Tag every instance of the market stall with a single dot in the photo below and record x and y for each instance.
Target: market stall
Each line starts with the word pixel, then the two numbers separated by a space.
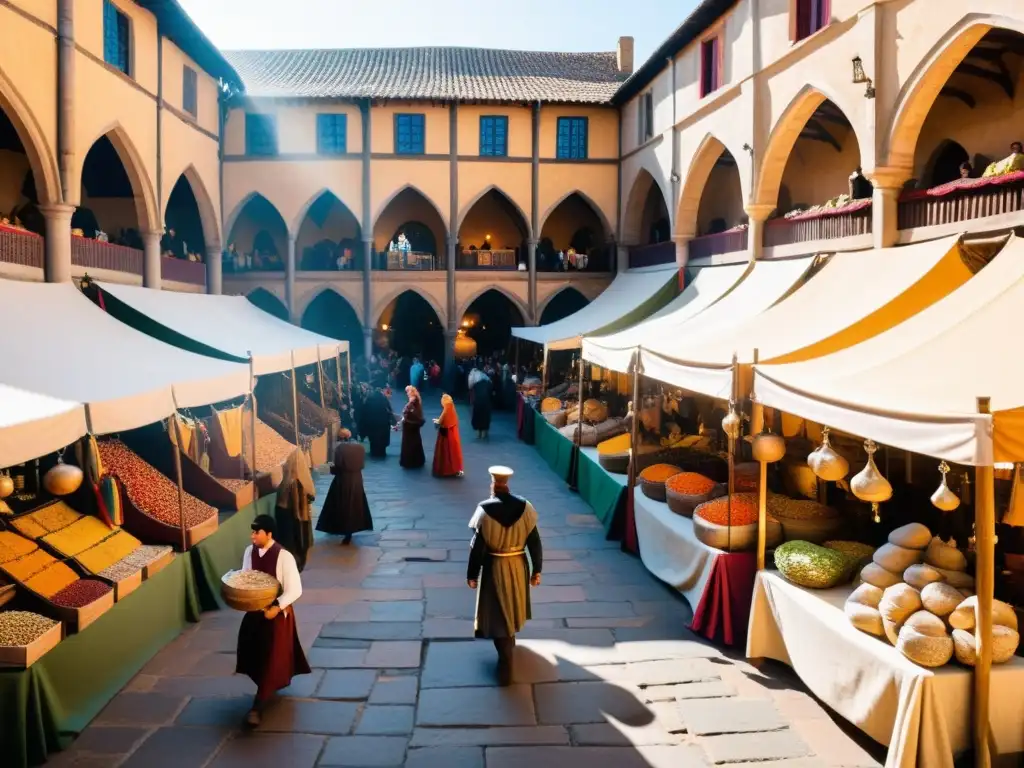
pixel 937 385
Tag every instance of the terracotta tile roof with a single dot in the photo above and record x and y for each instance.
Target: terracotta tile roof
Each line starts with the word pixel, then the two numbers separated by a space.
pixel 471 74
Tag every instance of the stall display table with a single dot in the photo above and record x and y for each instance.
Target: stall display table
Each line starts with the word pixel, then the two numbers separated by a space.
pixel 554 447
pixel 604 491
pixel 717 584
pixel 922 715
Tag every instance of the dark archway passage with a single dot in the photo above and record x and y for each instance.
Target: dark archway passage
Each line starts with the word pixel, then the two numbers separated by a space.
pixel 331 315
pixel 108 199
pixel 184 236
pixel 409 326
pixel 489 320
pixel 562 304
pixel 258 239
pixel 19 203
pixel 268 302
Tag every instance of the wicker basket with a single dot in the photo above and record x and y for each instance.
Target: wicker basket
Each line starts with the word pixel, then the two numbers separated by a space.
pixel 247 599
pixel 652 489
pixel 616 463
pixel 740 538
pixel 684 504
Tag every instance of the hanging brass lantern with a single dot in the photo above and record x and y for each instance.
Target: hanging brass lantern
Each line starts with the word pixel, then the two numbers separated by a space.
pixel 869 484
pixel 943 498
pixel 62 479
pixel 6 485
pixel 768 448
pixel 826 463
pixel 731 424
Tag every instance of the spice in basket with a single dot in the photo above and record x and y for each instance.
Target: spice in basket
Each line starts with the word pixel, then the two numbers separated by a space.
pixel 659 473
pixel 690 484
pixel 120 570
pixel 78 537
pixel 785 508
pixel 147 554
pixel 13 546
pixel 250 580
pixel 617 444
pixel 744 510
pixel 81 593
pixel 24 568
pixel 27 526
pixel 109 551
pixel 55 516
pixel 21 628
pixel 153 493
pixel 271 449
pixel 52 580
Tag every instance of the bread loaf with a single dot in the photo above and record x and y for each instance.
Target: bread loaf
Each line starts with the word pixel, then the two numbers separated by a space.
pixel 911 536
pixel 877 576
pixel 940 598
pixel 864 617
pixel 957 579
pixel 866 594
pixel 895 558
pixel 898 602
pixel 942 555
pixel 964 615
pixel 1004 644
pixel 919 576
pixel 892 630
pixel 927 624
pixel 926 650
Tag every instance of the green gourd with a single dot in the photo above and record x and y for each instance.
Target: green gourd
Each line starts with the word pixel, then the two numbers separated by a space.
pixel 808 565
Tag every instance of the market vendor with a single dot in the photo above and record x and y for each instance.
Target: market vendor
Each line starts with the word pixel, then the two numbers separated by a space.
pixel 269 651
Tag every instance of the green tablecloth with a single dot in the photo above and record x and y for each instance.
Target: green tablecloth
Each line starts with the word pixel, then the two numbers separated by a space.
pixel 45 706
pixel 553 446
pixel 42 708
pixel 604 492
pixel 222 551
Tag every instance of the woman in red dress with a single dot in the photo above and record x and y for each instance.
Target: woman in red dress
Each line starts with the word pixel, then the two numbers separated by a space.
pixel 448 448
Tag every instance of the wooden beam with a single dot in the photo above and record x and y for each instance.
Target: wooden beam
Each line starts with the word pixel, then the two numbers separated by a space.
pixel 816 131
pixel 1001 78
pixel 957 93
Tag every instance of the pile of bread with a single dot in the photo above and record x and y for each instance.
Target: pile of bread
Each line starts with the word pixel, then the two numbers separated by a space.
pixel 918 595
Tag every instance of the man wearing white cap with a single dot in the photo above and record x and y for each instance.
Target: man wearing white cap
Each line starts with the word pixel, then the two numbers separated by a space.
pixel 505 530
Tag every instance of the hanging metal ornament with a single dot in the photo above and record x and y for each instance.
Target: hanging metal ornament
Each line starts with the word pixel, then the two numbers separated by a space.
pixel 768 447
pixel 869 484
pixel 826 463
pixel 62 479
pixel 943 498
pixel 731 423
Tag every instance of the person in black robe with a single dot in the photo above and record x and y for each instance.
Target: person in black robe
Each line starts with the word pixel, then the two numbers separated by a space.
pixel 412 421
pixel 481 391
pixel 379 420
pixel 346 510
pixel 359 404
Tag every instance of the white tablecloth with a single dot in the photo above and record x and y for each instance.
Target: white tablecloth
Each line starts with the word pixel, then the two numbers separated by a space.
pixel 922 715
pixel 670 550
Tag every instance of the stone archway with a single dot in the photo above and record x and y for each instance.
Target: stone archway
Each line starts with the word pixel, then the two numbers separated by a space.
pixel 646 188
pixel 409 205
pixel 714 169
pixel 409 322
pixel 269 303
pixel 41 158
pixel 325 231
pixel 330 314
pixel 561 304
pixel 574 221
pixel 257 236
pixel 111 153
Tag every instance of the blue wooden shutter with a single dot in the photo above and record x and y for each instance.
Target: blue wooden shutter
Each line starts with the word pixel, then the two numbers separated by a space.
pixel 501 136
pixel 109 32
pixel 487 136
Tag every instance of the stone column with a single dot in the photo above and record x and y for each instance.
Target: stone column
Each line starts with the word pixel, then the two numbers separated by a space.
pixel 682 243
pixel 452 305
pixel 756 215
pixel 367 343
pixel 57 253
pixel 621 258
pixel 151 277
pixel 448 374
pixel 289 279
pixel 214 270
pixel 884 216
pixel 368 318
pixel 531 264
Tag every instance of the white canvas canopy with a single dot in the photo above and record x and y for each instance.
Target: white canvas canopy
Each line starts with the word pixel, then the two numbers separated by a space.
pixel 615 351
pixel 33 425
pixel 63 347
pixel 628 294
pixel 231 325
pixel 854 296
pixel 916 385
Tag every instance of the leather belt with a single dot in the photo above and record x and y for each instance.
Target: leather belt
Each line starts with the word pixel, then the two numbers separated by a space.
pixel 508 554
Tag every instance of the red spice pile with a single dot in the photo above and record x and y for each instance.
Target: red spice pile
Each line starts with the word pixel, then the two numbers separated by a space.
pixel 81 593
pixel 744 510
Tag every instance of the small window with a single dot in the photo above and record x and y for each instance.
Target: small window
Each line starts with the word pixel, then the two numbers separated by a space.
pixel 409 134
pixel 331 134
pixel 494 136
pixel 710 66
pixel 189 96
pixel 645 117
pixel 260 135
pixel 572 138
pixel 811 16
pixel 117 36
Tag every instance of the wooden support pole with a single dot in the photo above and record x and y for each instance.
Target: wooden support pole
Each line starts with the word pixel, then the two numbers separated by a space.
pixel 295 403
pixel 252 426
pixel 177 469
pixel 320 377
pixel 337 376
pixel 762 497
pixel 984 579
pixel 518 377
pixel 544 374
pixel 634 433
pixel 574 478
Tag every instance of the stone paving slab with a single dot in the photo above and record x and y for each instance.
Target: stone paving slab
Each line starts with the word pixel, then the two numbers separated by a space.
pixel 750 747
pixel 174 746
pixel 706 717
pixel 354 684
pixel 395 690
pixel 270 750
pixel 682 756
pixel 452 707
pixel 544 735
pixel 445 757
pixel 364 752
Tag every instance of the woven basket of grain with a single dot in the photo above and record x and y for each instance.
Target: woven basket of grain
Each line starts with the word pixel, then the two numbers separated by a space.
pixel 249 590
pixel 805 520
pixel 652 480
pixel 684 492
pixel 550 405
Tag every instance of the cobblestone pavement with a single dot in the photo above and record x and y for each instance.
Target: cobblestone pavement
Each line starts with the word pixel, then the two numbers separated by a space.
pixel 606 674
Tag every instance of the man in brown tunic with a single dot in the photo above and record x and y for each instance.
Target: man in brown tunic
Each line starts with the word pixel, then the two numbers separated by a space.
pixel 505 531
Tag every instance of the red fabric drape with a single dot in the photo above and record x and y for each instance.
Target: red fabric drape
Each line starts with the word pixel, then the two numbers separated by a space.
pixel 724 608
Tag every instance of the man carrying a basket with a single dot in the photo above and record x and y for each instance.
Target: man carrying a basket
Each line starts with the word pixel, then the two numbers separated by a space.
pixel 269 651
pixel 505 530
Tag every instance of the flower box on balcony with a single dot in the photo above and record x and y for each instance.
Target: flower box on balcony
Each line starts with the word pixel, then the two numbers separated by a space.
pixel 962 200
pixel 849 220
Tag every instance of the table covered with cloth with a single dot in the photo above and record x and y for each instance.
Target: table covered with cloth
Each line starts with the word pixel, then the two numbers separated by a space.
pixel 922 715
pixel 604 492
pixel 717 584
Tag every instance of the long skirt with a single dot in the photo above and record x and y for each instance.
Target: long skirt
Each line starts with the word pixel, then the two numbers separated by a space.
pixel 502 597
pixel 269 652
pixel 447 453
pixel 346 509
pixel 412 447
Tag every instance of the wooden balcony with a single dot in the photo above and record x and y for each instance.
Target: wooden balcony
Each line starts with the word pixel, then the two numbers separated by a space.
pixel 652 255
pixel 823 224
pixel 416 261
pixel 183 271
pixel 503 259
pixel 706 246
pixel 22 248
pixel 962 200
pixel 92 254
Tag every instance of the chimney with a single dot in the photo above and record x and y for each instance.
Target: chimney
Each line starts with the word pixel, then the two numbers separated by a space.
pixel 624 55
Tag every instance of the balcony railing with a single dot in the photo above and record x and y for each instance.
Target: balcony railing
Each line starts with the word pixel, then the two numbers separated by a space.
pixel 93 254
pixel 20 247
pixel 731 241
pixel 822 224
pixel 652 255
pixel 503 259
pixel 182 271
pixel 392 261
pixel 962 200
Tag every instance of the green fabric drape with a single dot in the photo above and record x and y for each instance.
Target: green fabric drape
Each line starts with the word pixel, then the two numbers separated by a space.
pixel 604 493
pixel 552 446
